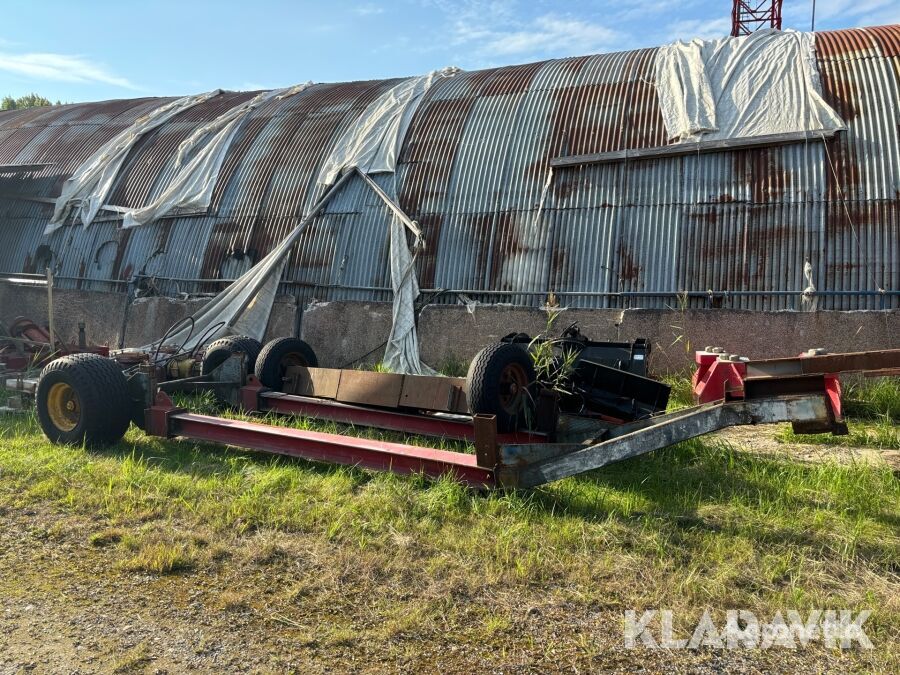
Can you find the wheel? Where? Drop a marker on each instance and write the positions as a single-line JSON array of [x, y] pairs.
[[498, 384], [219, 350], [275, 358], [83, 398]]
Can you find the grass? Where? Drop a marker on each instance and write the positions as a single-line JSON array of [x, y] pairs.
[[872, 407], [882, 434], [874, 398], [699, 525]]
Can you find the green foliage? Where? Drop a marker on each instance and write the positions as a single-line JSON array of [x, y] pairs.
[[682, 395], [876, 399], [27, 101], [553, 371]]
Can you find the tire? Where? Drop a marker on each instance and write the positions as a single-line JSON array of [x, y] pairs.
[[277, 355], [83, 398], [491, 373], [219, 350]]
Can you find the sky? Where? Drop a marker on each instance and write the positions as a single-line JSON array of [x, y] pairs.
[[89, 50]]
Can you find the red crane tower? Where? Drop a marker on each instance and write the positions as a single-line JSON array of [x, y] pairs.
[[751, 15]]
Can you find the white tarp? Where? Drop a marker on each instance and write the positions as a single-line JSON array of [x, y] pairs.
[[372, 145], [199, 161], [373, 142], [86, 190], [763, 83], [401, 353], [244, 307]]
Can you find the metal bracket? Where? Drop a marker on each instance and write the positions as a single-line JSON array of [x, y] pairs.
[[486, 451], [157, 418]]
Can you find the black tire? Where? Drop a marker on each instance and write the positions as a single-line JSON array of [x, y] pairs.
[[491, 374], [83, 398], [219, 350], [277, 355]]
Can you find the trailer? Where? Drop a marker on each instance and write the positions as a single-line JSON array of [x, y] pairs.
[[526, 431]]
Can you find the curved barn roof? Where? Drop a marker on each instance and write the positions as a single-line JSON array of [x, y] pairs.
[[472, 172]]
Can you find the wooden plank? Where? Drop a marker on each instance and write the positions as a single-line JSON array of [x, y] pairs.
[[701, 147], [367, 388], [424, 392], [317, 382]]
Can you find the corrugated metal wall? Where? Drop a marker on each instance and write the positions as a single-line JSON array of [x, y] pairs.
[[730, 229]]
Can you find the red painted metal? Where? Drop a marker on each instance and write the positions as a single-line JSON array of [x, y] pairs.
[[833, 394], [748, 16], [721, 376], [420, 425], [332, 448], [30, 347], [717, 377], [157, 418]]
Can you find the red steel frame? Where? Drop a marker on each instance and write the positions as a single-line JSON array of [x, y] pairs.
[[748, 16], [769, 388], [166, 420], [255, 398]]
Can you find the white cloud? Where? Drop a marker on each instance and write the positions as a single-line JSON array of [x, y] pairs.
[[888, 15], [832, 14], [547, 35], [708, 29], [368, 9], [60, 68]]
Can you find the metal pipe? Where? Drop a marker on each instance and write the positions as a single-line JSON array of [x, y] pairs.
[[50, 309]]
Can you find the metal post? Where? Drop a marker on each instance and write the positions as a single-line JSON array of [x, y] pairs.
[[50, 310]]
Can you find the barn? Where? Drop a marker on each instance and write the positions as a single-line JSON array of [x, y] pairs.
[[552, 179]]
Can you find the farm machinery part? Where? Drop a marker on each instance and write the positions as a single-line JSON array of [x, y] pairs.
[[526, 431], [26, 346]]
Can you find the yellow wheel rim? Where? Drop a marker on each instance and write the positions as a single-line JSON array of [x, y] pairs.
[[63, 406]]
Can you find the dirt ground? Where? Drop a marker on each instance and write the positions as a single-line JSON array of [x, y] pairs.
[[761, 439]]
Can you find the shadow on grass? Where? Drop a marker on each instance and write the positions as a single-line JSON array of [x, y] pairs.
[[670, 486], [677, 482]]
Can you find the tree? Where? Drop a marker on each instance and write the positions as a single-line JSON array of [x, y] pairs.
[[28, 101]]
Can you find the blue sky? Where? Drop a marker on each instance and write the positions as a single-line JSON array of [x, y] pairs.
[[83, 50]]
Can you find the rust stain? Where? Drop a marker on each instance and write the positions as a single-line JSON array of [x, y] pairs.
[[629, 270]]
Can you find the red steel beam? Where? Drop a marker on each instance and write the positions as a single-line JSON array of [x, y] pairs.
[[421, 425], [825, 364], [331, 448]]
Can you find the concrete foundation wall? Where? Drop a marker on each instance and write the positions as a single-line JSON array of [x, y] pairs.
[[352, 333], [102, 313], [106, 315], [343, 331]]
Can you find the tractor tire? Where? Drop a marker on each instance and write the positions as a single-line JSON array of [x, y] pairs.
[[499, 383], [83, 398], [220, 350], [275, 358]]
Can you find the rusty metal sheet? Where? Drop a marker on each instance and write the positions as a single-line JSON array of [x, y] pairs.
[[734, 228]]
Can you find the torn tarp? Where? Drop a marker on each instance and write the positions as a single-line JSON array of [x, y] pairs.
[[373, 142], [763, 83], [86, 190], [244, 307], [199, 161], [372, 145]]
